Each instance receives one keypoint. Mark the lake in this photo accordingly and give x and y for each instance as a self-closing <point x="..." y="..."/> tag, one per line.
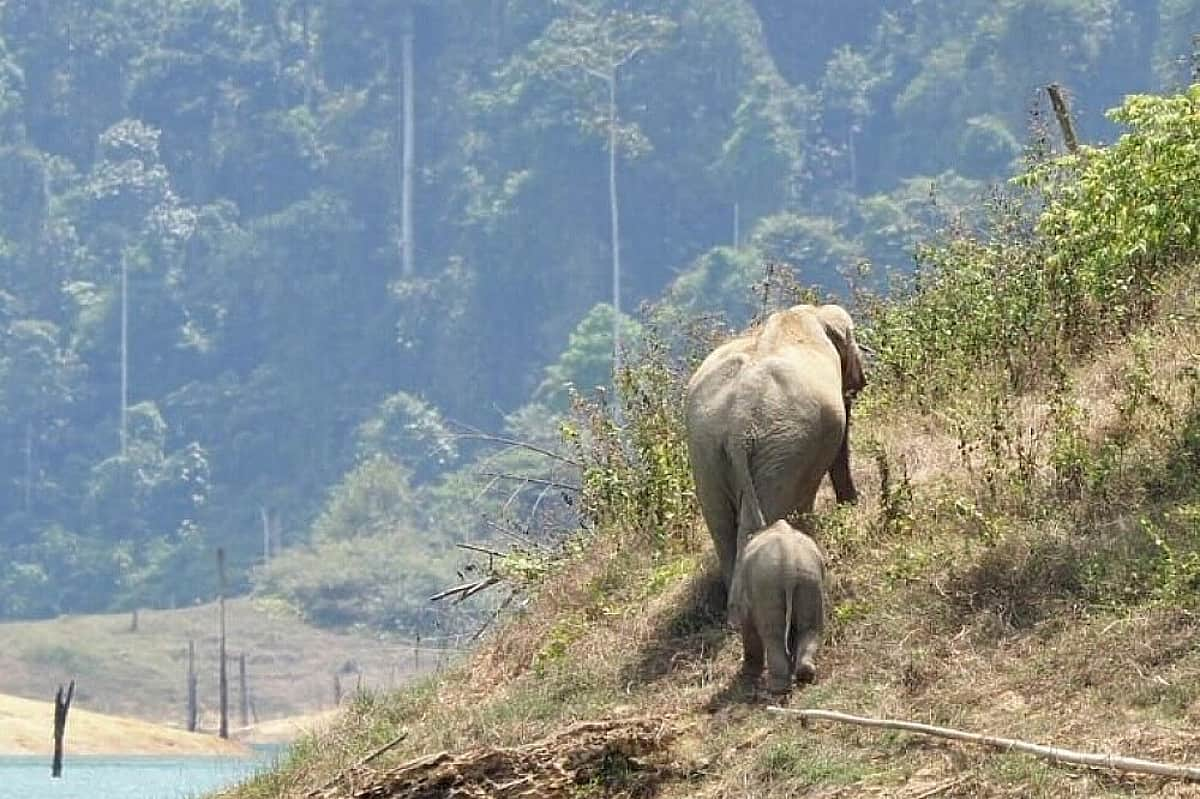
<point x="104" y="777"/>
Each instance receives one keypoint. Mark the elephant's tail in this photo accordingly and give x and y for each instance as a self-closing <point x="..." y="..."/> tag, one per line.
<point x="787" y="622"/>
<point x="750" y="515"/>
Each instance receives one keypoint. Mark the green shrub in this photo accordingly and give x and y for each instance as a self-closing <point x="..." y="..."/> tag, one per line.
<point x="636" y="473"/>
<point x="1117" y="215"/>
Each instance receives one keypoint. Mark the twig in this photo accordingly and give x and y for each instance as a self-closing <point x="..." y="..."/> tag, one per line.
<point x="477" y="548"/>
<point x="537" y="503"/>
<point x="538" y="481"/>
<point x="492" y="618"/>
<point x="1052" y="753"/>
<point x="360" y="763"/>
<point x="466" y="589"/>
<point x="941" y="787"/>
<point x="479" y="586"/>
<point x="522" y="537"/>
<point x="458" y="589"/>
<point x="481" y="436"/>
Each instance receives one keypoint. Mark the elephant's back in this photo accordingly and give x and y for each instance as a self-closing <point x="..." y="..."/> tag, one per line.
<point x="710" y="401"/>
<point x="796" y="405"/>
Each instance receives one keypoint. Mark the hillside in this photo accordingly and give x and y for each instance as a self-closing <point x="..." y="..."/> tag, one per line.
<point x="290" y="665"/>
<point x="954" y="616"/>
<point x="25" y="730"/>
<point x="1023" y="561"/>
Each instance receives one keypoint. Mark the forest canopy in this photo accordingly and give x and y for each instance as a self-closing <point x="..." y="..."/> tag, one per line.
<point x="262" y="263"/>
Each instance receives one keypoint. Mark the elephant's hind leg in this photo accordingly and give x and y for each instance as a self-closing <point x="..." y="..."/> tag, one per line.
<point x="779" y="665"/>
<point x="804" y="664"/>
<point x="752" y="651"/>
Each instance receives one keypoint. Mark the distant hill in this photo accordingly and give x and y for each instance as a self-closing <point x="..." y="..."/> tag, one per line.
<point x="290" y="665"/>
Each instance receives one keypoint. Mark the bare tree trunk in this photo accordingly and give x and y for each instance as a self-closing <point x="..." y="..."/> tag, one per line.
<point x="408" y="144"/>
<point x="192" y="713"/>
<point x="615" y="217"/>
<point x="1195" y="58"/>
<point x="28" y="465"/>
<point x="124" y="349"/>
<point x="61" y="706"/>
<point x="850" y="153"/>
<point x="309" y="67"/>
<point x="1063" y="112"/>
<point x="264" y="514"/>
<point x="244" y="691"/>
<point x="222" y="675"/>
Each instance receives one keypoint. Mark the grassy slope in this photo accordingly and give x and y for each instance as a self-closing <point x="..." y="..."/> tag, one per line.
<point x="290" y="664"/>
<point x="25" y="727"/>
<point x="982" y="593"/>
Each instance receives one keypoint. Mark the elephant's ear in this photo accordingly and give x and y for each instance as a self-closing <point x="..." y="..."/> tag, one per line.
<point x="839" y="327"/>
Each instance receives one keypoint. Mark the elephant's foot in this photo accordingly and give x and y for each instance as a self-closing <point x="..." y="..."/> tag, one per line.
<point x="779" y="685"/>
<point x="750" y="671"/>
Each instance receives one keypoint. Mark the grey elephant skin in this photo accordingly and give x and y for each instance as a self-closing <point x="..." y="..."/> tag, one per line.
<point x="767" y="417"/>
<point x="778" y="602"/>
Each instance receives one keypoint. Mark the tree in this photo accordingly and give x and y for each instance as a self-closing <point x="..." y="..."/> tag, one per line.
<point x="584" y="49"/>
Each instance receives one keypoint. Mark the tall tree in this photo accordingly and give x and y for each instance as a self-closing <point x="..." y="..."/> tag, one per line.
<point x="584" y="50"/>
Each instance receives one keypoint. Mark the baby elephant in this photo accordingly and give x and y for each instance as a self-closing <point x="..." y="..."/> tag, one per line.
<point x="778" y="601"/>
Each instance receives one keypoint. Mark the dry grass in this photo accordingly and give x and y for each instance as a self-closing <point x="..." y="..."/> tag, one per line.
<point x="972" y="589"/>
<point x="290" y="664"/>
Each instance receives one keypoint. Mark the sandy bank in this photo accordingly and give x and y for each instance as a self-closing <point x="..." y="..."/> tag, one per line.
<point x="26" y="727"/>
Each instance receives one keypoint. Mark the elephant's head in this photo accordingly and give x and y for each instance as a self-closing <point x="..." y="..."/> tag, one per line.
<point x="840" y="329"/>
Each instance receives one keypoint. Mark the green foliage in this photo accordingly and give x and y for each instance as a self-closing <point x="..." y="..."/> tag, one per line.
<point x="371" y="500"/>
<point x="240" y="163"/>
<point x="636" y="476"/>
<point x="378" y="580"/>
<point x="409" y="431"/>
<point x="1121" y="213"/>
<point x="586" y="363"/>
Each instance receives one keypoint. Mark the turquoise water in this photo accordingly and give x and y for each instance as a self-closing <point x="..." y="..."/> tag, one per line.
<point x="98" y="777"/>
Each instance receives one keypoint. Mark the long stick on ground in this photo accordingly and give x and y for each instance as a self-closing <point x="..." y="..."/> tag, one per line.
<point x="1052" y="753"/>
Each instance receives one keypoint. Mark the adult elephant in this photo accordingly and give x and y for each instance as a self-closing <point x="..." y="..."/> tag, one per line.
<point x="767" y="417"/>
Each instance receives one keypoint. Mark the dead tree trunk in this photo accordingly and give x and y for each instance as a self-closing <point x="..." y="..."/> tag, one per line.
<point x="1196" y="58"/>
<point x="222" y="676"/>
<point x="614" y="219"/>
<point x="61" y="705"/>
<point x="408" y="138"/>
<point x="191" y="688"/>
<point x="244" y="693"/>
<point x="1063" y="112"/>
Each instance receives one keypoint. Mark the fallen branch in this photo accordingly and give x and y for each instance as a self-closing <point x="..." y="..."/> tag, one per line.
<point x="638" y="749"/>
<point x="466" y="589"/>
<point x="1052" y="753"/>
